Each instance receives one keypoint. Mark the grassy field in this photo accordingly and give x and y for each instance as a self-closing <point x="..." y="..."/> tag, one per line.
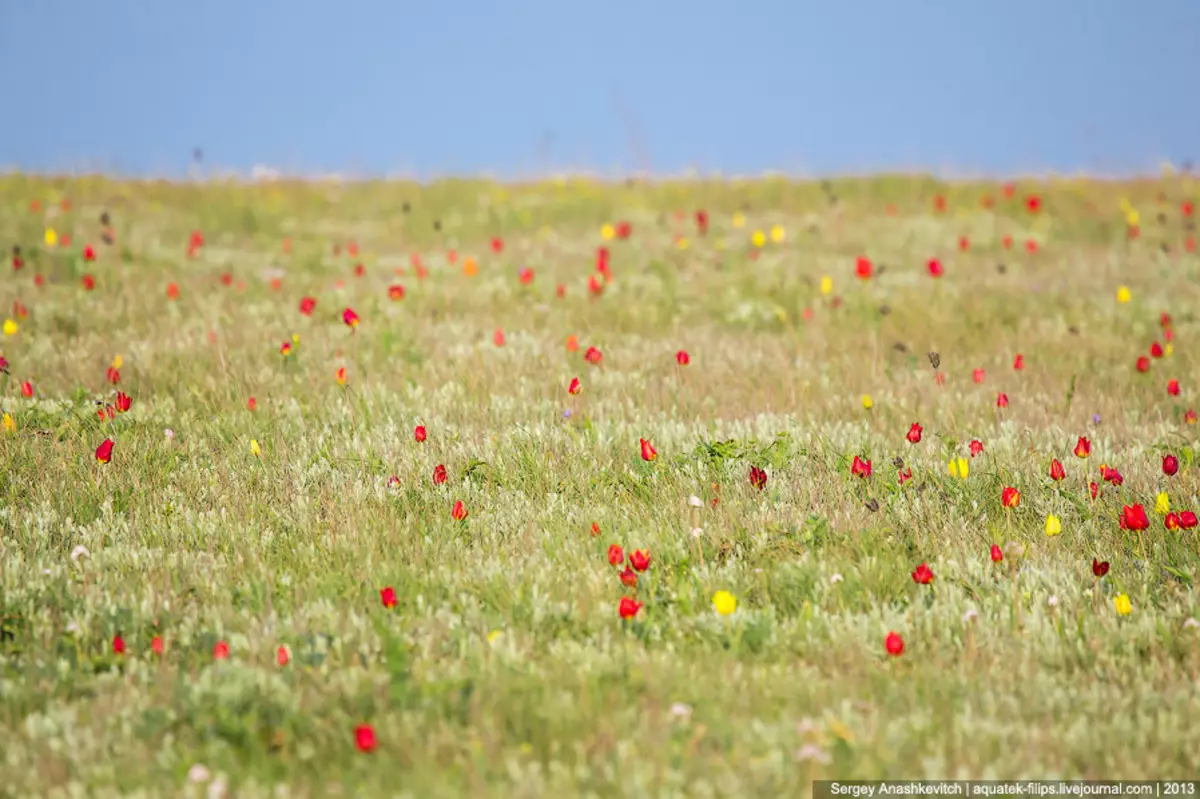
<point x="255" y="500"/>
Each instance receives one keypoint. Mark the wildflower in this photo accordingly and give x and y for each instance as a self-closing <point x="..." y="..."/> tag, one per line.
<point x="1010" y="497"/>
<point x="104" y="451"/>
<point x="682" y="358"/>
<point x="616" y="555"/>
<point x="639" y="560"/>
<point x="396" y="292"/>
<point x="220" y="651"/>
<point x="1018" y="362"/>
<point x="997" y="553"/>
<point x="977" y="375"/>
<point x="340" y="376"/>
<point x="1190" y="416"/>
<point x="255" y="450"/>
<point x="1171" y="521"/>
<point x="364" y="738"/>
<point x="1122" y="604"/>
<point x="648" y="451"/>
<point x="10" y="424"/>
<point x="498" y="337"/>
<point x="970" y="615"/>
<point x="1143" y="364"/>
<point x="935" y="268"/>
<point x="419" y="433"/>
<point x="758" y="239"/>
<point x="1123" y="294"/>
<point x="574" y="387"/>
<point x="959" y="467"/>
<point x="863" y="268"/>
<point x="1094" y="488"/>
<point x="1053" y="525"/>
<point x="393" y="482"/>
<point x="251" y="404"/>
<point x="593" y="356"/>
<point x="439" y="474"/>
<point x="1057" y="473"/>
<point x="309" y="304"/>
<point x="904" y="475"/>
<point x="1162" y="503"/>
<point x="629" y="577"/>
<point x="1099" y="568"/>
<point x="387" y="597"/>
<point x="914" y="433"/>
<point x="10" y="327"/>
<point x="1001" y="400"/>
<point x="835" y="578"/>
<point x="1170" y="465"/>
<point x="350" y="318"/>
<point x="156" y="645"/>
<point x="459" y="511"/>
<point x="1156" y="351"/>
<point x="826" y="285"/>
<point x="860" y="468"/>
<point x="923" y="575"/>
<point x="1173" y="388"/>
<point x="724" y="603"/>
<point x="123" y="402"/>
<point x="1187" y="519"/>
<point x="629" y="607"/>
<point x="282" y="656"/>
<point x="1083" y="447"/>
<point x="867" y="402"/>
<point x="1133" y="517"/>
<point x="118" y="645"/>
<point x="89" y="283"/>
<point x="758" y="478"/>
<point x="894" y="644"/>
<point x="976" y="448"/>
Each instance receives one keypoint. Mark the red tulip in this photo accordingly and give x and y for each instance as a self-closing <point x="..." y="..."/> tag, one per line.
<point x="935" y="267"/>
<point x="1173" y="388"/>
<point x="682" y="358"/>
<point x="282" y="658"/>
<point x="226" y="279"/>
<point x="977" y="375"/>
<point x="639" y="560"/>
<point x="1186" y="208"/>
<point x="395" y="292"/>
<point x="156" y="645"/>
<point x="595" y="285"/>
<point x="89" y="253"/>
<point x="964" y="243"/>
<point x="1018" y="362"/>
<point x="350" y="318"/>
<point x="1033" y="203"/>
<point x="997" y="553"/>
<point x="439" y="474"/>
<point x="359" y="270"/>
<point x="1189" y="417"/>
<point x="308" y="305"/>
<point x="1083" y="447"/>
<point x="1187" y="519"/>
<point x="602" y="260"/>
<point x="419" y="433"/>
<point x="27" y="389"/>
<point x="1156" y="350"/>
<point x="459" y="511"/>
<point x="593" y="356"/>
<point x="648" y="451"/>
<point x="118" y="645"/>
<point x="89" y="282"/>
<point x="1095" y="489"/>
<point x="860" y="468"/>
<point x="616" y="555"/>
<point x="976" y="447"/>
<point x="629" y="607"/>
<point x="124" y="402"/>
<point x="702" y="222"/>
<point x="939" y="203"/>
<point x="574" y="387"/>
<point x="904" y="475"/>
<point x="758" y="478"/>
<point x="1171" y="521"/>
<point x="387" y="597"/>
<point x="863" y="267"/>
<point x="1170" y="465"/>
<point x="595" y="529"/>
<point x="104" y="451"/>
<point x="894" y="644"/>
<point x="1099" y="568"/>
<point x="1010" y="497"/>
<point x="172" y="291"/>
<point x="1057" y="472"/>
<point x="525" y="276"/>
<point x="629" y="577"/>
<point x="498" y="337"/>
<point x="1001" y="400"/>
<point x="914" y="433"/>
<point x="624" y="230"/>
<point x="560" y="291"/>
<point x="393" y="482"/>
<point x="923" y="575"/>
<point x="497" y="245"/>
<point x="1111" y="475"/>
<point x="1134" y="518"/>
<point x="220" y="651"/>
<point x="1007" y="241"/>
<point x="1143" y="364"/>
<point x="364" y="738"/>
<point x="252" y="404"/>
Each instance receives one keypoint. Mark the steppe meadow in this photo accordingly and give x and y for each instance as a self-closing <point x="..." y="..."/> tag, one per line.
<point x="575" y="488"/>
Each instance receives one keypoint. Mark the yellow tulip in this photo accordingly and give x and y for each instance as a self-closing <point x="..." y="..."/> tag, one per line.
<point x="1162" y="504"/>
<point x="777" y="234"/>
<point x="682" y="244"/>
<point x="724" y="602"/>
<point x="608" y="232"/>
<point x="118" y="362"/>
<point x="10" y="327"/>
<point x="10" y="424"/>
<point x="51" y="237"/>
<point x="1122" y="604"/>
<point x="759" y="238"/>
<point x="1133" y="218"/>
<point x="867" y="402"/>
<point x="254" y="449"/>
<point x="1123" y="294"/>
<point x="1053" y="525"/>
<point x="959" y="467"/>
<point x="827" y="285"/>
<point x="739" y="220"/>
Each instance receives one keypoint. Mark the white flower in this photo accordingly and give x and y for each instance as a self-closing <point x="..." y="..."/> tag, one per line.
<point x="836" y="578"/>
<point x="695" y="502"/>
<point x="696" y="533"/>
<point x="805" y="725"/>
<point x="681" y="711"/>
<point x="971" y="615"/>
<point x="199" y="773"/>
<point x="80" y="551"/>
<point x="170" y="434"/>
<point x="1052" y="601"/>
<point x="217" y="788"/>
<point x="812" y="752"/>
<point x="1191" y="624"/>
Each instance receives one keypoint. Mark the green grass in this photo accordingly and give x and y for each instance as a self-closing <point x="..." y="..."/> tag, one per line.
<point x="504" y="669"/>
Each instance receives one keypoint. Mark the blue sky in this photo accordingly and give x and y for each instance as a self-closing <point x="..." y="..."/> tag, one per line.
<point x="390" y="86"/>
